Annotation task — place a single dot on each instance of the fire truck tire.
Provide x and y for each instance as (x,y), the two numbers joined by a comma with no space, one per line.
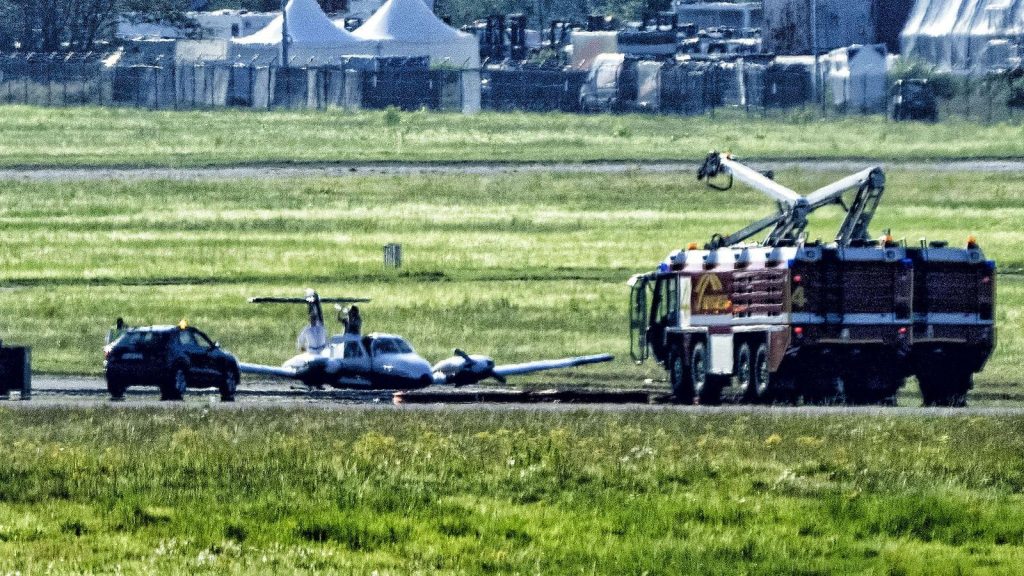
(707,388)
(821,387)
(945,388)
(873,383)
(679,378)
(762,376)
(957,396)
(745,374)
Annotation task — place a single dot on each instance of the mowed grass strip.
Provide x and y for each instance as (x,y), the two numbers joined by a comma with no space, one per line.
(453,492)
(517,266)
(34,136)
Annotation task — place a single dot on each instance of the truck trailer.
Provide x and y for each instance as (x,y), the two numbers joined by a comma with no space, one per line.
(785,319)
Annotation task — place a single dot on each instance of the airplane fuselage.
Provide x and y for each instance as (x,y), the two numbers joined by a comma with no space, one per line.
(377,361)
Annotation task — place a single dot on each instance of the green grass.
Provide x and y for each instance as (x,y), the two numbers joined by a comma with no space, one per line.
(464,492)
(520,266)
(32,136)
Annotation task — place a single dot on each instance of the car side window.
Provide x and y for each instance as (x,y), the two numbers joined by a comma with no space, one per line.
(185,338)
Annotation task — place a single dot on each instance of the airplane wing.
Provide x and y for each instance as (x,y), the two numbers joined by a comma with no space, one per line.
(287,300)
(540,365)
(278,371)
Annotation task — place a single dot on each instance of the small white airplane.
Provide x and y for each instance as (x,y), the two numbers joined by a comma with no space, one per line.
(384,361)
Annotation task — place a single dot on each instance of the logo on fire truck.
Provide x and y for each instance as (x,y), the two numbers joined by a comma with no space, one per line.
(711,298)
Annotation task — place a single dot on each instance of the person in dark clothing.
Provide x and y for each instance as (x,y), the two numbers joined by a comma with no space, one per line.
(117,331)
(352,321)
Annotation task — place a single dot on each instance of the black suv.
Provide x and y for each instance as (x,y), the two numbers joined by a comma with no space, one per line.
(172,357)
(913,99)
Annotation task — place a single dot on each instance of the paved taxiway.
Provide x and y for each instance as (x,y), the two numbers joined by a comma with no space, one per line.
(91,392)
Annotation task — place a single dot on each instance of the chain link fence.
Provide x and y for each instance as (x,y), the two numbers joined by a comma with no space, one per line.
(531,89)
(67,80)
(757,87)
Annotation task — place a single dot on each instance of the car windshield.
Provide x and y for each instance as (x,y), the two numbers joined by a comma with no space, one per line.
(392,346)
(202,339)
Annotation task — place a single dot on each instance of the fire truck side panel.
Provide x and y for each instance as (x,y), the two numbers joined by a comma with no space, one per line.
(778,344)
(852,296)
(721,354)
(954,300)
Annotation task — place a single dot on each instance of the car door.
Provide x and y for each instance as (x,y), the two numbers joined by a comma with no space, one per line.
(198,359)
(212,357)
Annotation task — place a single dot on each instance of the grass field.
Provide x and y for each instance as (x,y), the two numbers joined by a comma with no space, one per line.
(400,492)
(31,136)
(519,266)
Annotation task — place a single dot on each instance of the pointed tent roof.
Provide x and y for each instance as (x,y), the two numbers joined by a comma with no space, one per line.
(407,21)
(307,26)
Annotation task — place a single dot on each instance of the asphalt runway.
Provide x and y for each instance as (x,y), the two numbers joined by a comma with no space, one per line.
(90,392)
(400,169)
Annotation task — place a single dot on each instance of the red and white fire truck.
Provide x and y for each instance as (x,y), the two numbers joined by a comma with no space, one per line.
(785,319)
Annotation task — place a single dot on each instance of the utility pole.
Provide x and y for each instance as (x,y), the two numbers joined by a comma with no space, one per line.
(285,37)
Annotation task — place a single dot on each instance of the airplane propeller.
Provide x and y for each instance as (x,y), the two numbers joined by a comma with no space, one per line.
(462,369)
(480,367)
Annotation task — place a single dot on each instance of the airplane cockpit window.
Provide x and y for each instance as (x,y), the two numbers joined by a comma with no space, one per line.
(391,346)
(384,346)
(353,350)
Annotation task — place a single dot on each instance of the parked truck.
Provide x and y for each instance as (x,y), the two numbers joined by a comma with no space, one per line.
(785,319)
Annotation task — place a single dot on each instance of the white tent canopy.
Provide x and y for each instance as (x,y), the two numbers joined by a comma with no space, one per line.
(410,28)
(956,34)
(313,38)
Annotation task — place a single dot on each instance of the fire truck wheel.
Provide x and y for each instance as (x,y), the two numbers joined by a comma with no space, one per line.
(762,375)
(707,388)
(874,382)
(821,388)
(679,378)
(745,374)
(945,387)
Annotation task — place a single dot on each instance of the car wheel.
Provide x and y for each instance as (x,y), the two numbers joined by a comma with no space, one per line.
(174,388)
(228,385)
(116,387)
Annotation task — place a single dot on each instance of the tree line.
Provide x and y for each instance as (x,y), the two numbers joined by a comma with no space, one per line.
(76,25)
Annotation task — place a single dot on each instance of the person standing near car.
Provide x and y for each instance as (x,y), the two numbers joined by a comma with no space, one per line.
(353,321)
(117,331)
(312,338)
